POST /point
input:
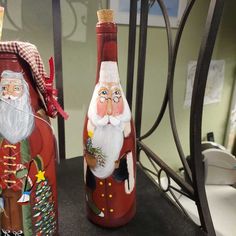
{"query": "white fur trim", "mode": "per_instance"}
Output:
(127, 129)
(8, 74)
(90, 126)
(109, 72)
(129, 186)
(101, 214)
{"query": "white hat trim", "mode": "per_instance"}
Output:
(109, 72)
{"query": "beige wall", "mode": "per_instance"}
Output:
(215, 115)
(79, 66)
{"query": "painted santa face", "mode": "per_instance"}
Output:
(16, 120)
(11, 88)
(109, 100)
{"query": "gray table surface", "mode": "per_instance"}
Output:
(155, 215)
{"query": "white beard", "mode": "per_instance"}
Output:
(108, 134)
(16, 125)
(110, 140)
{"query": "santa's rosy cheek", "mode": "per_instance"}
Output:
(101, 108)
(118, 108)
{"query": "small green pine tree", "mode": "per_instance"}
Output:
(43, 210)
(96, 152)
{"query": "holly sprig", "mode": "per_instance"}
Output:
(95, 151)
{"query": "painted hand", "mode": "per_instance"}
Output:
(117, 164)
(91, 160)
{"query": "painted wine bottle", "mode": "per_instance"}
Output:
(109, 138)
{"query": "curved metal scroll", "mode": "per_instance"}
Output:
(168, 97)
(194, 188)
(131, 52)
(208, 42)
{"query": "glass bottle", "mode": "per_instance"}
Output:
(109, 138)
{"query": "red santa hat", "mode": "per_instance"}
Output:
(30, 54)
(109, 72)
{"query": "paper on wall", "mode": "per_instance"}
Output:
(215, 82)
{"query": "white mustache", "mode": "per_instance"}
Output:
(106, 119)
(9, 97)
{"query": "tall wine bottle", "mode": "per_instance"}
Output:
(109, 138)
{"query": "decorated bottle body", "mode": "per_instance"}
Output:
(109, 140)
(27, 147)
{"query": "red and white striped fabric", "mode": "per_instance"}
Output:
(30, 54)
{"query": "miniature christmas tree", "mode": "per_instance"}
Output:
(43, 209)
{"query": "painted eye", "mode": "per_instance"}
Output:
(104, 92)
(117, 92)
(4, 88)
(16, 88)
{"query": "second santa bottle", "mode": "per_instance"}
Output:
(109, 138)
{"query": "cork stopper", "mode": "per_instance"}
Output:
(105, 15)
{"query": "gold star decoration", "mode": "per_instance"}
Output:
(90, 133)
(40, 176)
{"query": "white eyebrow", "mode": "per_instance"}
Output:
(115, 87)
(103, 86)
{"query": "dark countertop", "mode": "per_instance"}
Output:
(155, 215)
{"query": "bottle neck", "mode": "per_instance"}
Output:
(106, 44)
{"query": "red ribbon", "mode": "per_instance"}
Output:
(53, 107)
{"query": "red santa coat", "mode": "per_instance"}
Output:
(109, 195)
(24, 57)
(40, 143)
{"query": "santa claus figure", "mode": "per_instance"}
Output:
(16, 120)
(28, 198)
(109, 152)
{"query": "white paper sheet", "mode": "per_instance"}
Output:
(215, 82)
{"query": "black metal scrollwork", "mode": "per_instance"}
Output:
(193, 188)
